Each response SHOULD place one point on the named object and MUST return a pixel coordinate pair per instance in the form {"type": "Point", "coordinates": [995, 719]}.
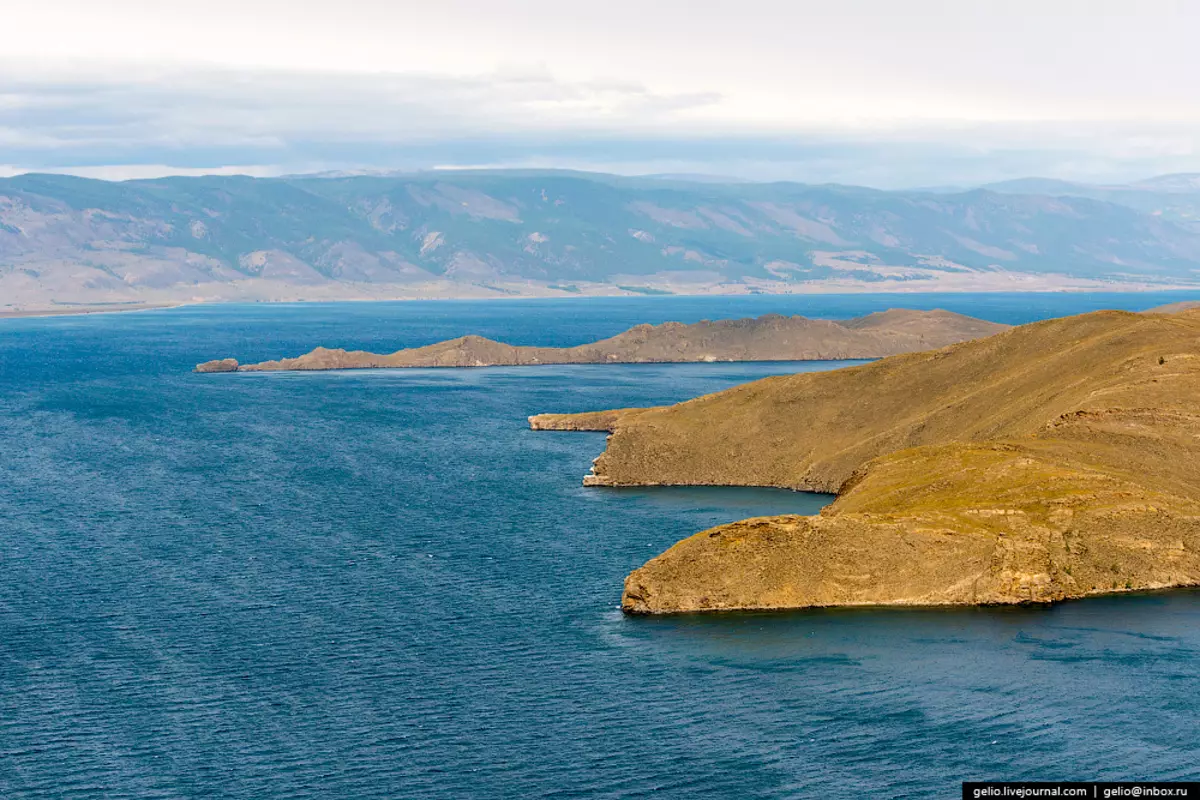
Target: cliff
{"type": "Point", "coordinates": [1053, 461]}
{"type": "Point", "coordinates": [768, 338]}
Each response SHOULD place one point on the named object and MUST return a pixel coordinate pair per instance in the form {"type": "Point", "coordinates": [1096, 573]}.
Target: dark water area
{"type": "Point", "coordinates": [381, 584]}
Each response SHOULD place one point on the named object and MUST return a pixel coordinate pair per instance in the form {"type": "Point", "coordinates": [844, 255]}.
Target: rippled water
{"type": "Point", "coordinates": [381, 584]}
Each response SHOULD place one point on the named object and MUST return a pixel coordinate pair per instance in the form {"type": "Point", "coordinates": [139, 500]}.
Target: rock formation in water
{"type": "Point", "coordinates": [768, 338]}
{"type": "Point", "coordinates": [1057, 460]}
{"type": "Point", "coordinates": [223, 365]}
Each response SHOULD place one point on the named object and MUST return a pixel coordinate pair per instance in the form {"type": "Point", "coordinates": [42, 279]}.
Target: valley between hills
{"type": "Point", "coordinates": [1051, 461]}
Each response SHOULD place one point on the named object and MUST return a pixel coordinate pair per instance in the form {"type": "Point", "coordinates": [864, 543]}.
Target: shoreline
{"type": "Point", "coordinates": [83, 310]}
{"type": "Point", "coordinates": [75, 311]}
{"type": "Point", "coordinates": [770, 337]}
{"type": "Point", "coordinates": [1043, 464]}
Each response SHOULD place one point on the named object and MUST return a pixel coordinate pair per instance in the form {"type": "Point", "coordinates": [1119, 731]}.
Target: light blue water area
{"type": "Point", "coordinates": [381, 584]}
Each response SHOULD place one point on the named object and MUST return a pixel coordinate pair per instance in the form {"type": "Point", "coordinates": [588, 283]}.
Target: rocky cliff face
{"type": "Point", "coordinates": [768, 338]}
{"type": "Point", "coordinates": [1056, 460]}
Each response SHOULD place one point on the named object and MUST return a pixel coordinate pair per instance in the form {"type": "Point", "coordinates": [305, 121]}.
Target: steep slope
{"type": "Point", "coordinates": [768, 338]}
{"type": "Point", "coordinates": [1056, 460]}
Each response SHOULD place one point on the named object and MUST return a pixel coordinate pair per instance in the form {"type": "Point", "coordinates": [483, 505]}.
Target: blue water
{"type": "Point", "coordinates": [382, 585]}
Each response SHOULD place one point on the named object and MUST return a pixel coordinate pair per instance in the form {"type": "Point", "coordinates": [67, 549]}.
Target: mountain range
{"type": "Point", "coordinates": [73, 241]}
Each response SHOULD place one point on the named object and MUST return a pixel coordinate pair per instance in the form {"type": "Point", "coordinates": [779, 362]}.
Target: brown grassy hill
{"type": "Point", "coordinates": [771, 337]}
{"type": "Point", "coordinates": [1052, 461]}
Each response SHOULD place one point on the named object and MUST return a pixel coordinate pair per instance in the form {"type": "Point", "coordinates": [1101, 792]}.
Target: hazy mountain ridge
{"type": "Point", "coordinates": [481, 233]}
{"type": "Point", "coordinates": [1172, 197]}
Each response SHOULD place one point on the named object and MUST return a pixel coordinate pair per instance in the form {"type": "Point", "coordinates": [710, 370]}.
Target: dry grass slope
{"type": "Point", "coordinates": [1056, 460]}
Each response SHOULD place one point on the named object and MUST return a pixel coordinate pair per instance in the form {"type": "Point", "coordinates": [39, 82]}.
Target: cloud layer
{"type": "Point", "coordinates": [929, 92]}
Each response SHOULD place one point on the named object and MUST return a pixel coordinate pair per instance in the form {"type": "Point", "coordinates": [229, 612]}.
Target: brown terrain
{"type": "Point", "coordinates": [1175, 308]}
{"type": "Point", "coordinates": [768, 338]}
{"type": "Point", "coordinates": [1056, 460]}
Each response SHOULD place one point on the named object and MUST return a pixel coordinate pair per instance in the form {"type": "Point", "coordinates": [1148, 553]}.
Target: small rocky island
{"type": "Point", "coordinates": [1056, 460]}
{"type": "Point", "coordinates": [767, 338]}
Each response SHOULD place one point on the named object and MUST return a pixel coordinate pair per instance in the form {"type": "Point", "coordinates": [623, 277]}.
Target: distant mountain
{"type": "Point", "coordinates": [1171, 197]}
{"type": "Point", "coordinates": [1052, 187]}
{"type": "Point", "coordinates": [534, 232]}
{"type": "Point", "coordinates": [1183, 182]}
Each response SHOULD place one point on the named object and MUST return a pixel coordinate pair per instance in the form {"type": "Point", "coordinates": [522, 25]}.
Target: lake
{"type": "Point", "coordinates": [381, 584]}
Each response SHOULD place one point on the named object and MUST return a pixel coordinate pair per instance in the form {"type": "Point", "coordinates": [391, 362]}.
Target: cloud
{"type": "Point", "coordinates": [105, 107]}
{"type": "Point", "coordinates": [113, 120]}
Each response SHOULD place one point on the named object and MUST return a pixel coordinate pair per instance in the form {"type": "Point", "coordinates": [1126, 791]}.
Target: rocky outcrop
{"type": "Point", "coordinates": [593, 421]}
{"type": "Point", "coordinates": [768, 338]}
{"type": "Point", "coordinates": [1058, 460]}
{"type": "Point", "coordinates": [223, 365]}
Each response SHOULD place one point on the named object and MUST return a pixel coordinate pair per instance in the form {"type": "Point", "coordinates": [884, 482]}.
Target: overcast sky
{"type": "Point", "coordinates": [884, 92]}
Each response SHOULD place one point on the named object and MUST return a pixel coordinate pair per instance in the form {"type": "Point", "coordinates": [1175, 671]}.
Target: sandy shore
{"type": "Point", "coordinates": [76, 310]}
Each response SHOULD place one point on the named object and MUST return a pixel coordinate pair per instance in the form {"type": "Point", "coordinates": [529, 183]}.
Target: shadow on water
{"type": "Point", "coordinates": [738, 502]}
{"type": "Point", "coordinates": [1159, 624]}
{"type": "Point", "coordinates": [1120, 609]}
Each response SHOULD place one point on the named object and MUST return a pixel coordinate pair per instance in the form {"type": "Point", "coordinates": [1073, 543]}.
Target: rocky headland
{"type": "Point", "coordinates": [1175, 308]}
{"type": "Point", "coordinates": [1056, 460]}
{"type": "Point", "coordinates": [771, 337]}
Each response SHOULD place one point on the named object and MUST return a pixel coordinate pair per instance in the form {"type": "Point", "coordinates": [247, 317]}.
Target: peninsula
{"type": "Point", "coordinates": [1056, 460]}
{"type": "Point", "coordinates": [771, 337]}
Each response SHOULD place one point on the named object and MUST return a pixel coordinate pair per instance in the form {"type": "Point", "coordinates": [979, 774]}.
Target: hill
{"type": "Point", "coordinates": [1170, 197]}
{"type": "Point", "coordinates": [1056, 460]}
{"type": "Point", "coordinates": [771, 337]}
{"type": "Point", "coordinates": [488, 234]}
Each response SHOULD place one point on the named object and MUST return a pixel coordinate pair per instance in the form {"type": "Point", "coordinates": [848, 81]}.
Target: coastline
{"type": "Point", "coordinates": [75, 311]}
{"type": "Point", "coordinates": [1046, 463]}
{"type": "Point", "coordinates": [17, 307]}
{"type": "Point", "coordinates": [811, 291]}
{"type": "Point", "coordinates": [125, 308]}
{"type": "Point", "coordinates": [770, 337]}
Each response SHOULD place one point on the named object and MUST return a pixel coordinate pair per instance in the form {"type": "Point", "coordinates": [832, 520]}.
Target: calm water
{"type": "Point", "coordinates": [382, 585]}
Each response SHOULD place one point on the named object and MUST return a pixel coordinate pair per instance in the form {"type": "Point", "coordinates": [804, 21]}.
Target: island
{"type": "Point", "coordinates": [771, 337]}
{"type": "Point", "coordinates": [1056, 460]}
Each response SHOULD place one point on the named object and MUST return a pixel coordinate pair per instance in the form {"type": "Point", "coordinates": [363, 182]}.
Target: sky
{"type": "Point", "coordinates": [889, 93]}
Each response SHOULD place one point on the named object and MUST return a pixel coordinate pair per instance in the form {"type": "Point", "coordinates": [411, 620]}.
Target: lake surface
{"type": "Point", "coordinates": [381, 584]}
